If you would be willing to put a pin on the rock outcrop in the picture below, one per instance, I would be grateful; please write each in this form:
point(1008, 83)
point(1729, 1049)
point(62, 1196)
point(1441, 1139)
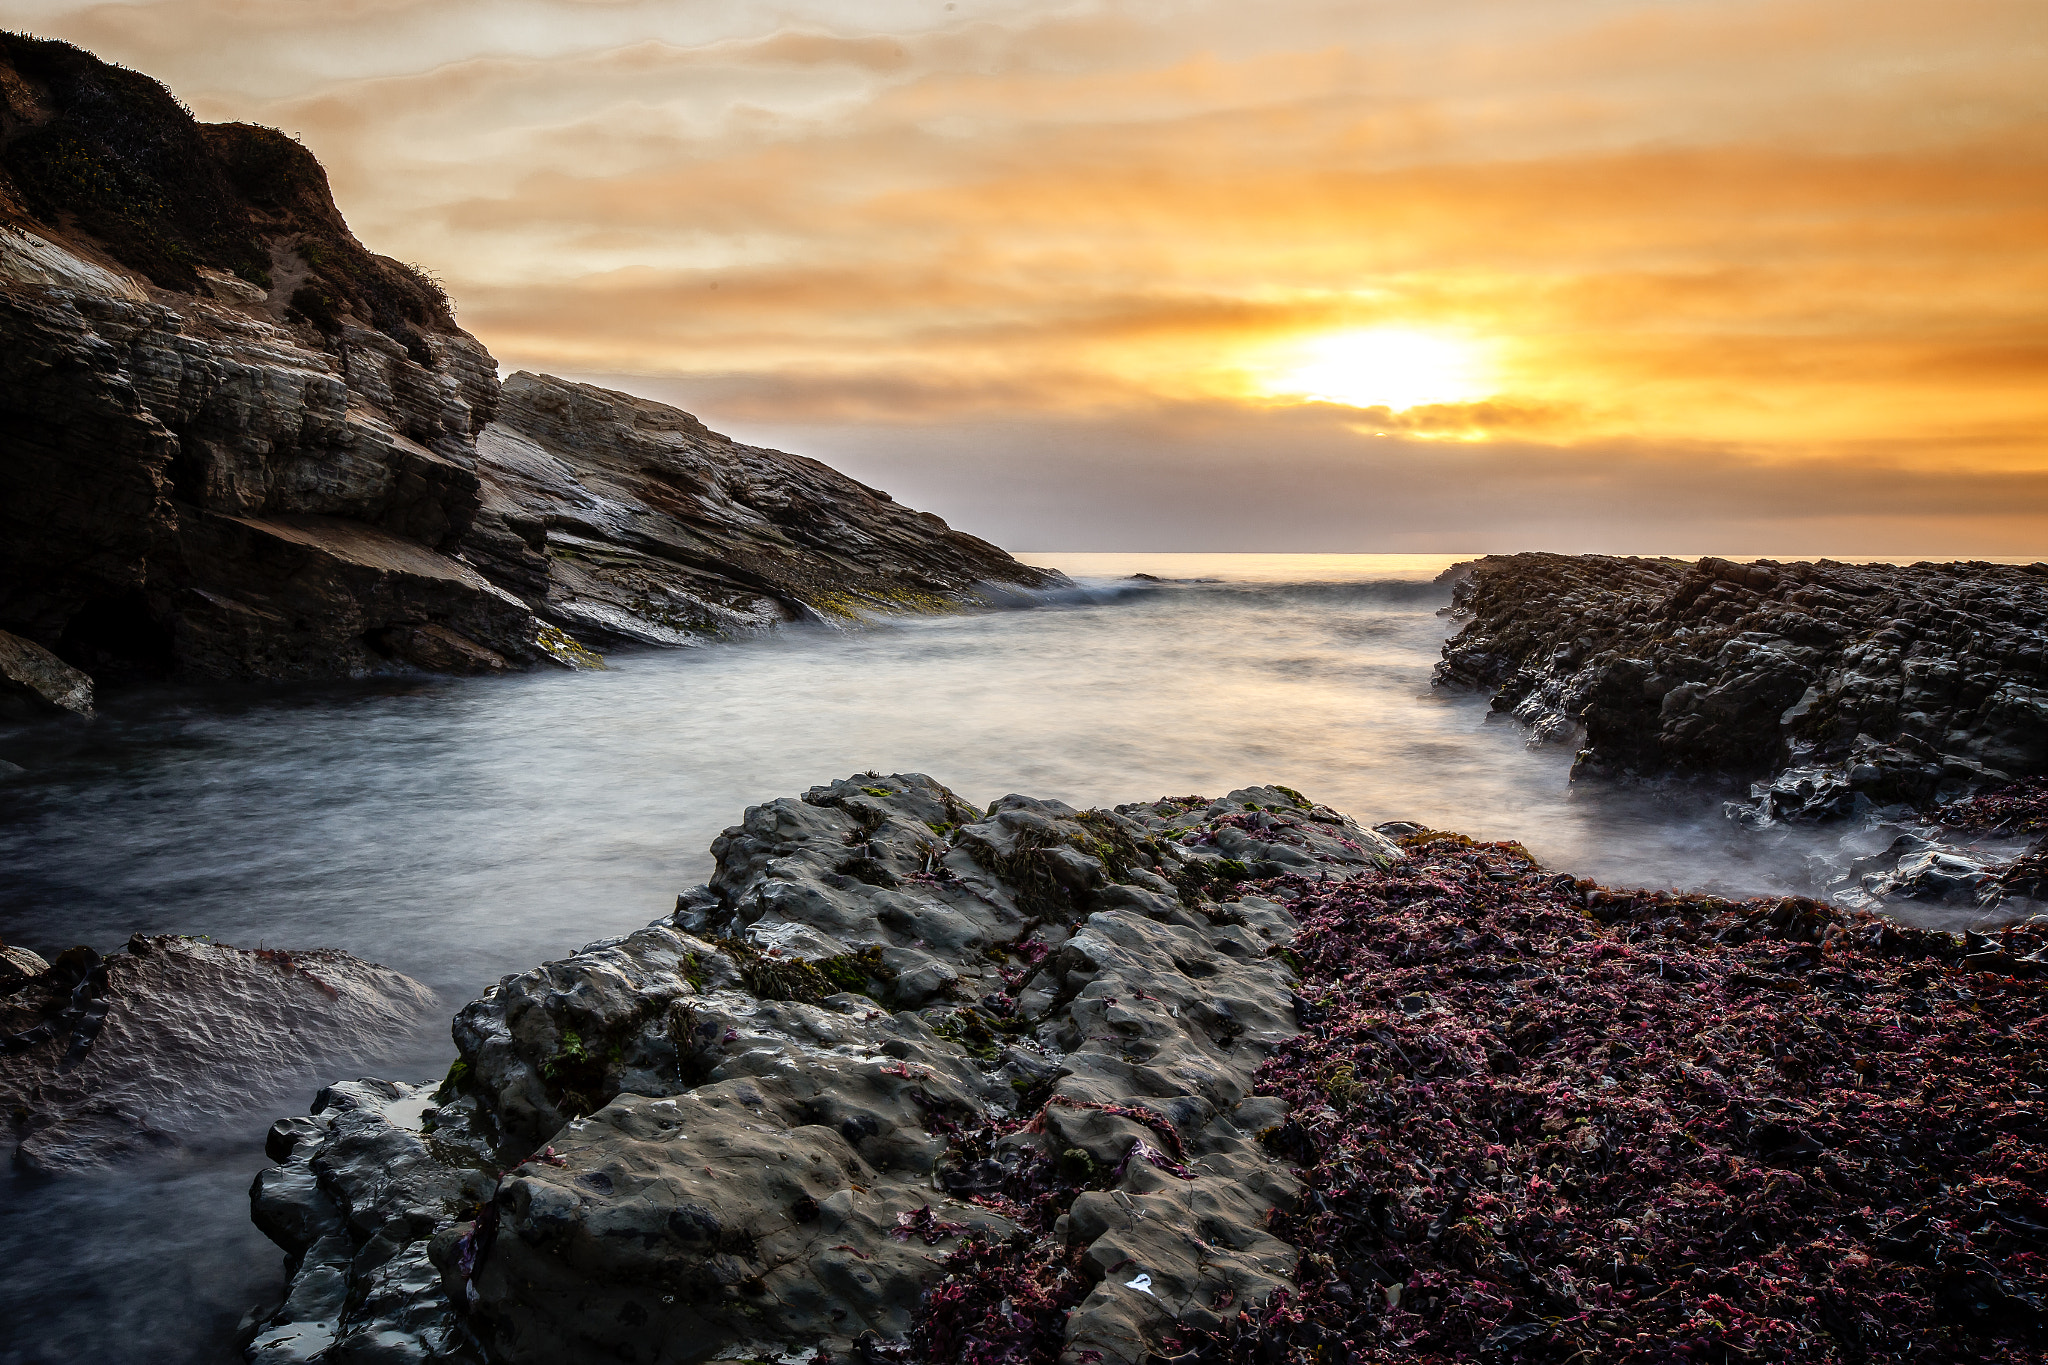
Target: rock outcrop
point(620, 519)
point(1865, 694)
point(35, 682)
point(1877, 683)
point(236, 444)
point(107, 1058)
point(895, 1037)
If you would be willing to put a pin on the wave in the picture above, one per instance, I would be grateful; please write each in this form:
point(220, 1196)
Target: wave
point(1105, 591)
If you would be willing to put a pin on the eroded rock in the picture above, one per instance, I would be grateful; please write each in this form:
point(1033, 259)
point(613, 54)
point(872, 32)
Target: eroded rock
point(1837, 687)
point(891, 1026)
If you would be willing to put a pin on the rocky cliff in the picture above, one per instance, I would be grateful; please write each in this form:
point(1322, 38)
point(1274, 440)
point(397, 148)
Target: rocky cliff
point(235, 443)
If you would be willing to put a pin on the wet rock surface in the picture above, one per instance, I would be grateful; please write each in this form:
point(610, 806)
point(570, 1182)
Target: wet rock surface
point(906, 1076)
point(1863, 695)
point(239, 445)
point(106, 1058)
point(1897, 678)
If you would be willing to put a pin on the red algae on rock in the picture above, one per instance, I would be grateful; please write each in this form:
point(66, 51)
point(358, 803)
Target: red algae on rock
point(2019, 808)
point(1538, 1120)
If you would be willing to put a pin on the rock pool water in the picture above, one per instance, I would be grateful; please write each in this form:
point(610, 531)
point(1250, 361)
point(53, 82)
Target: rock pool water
point(462, 829)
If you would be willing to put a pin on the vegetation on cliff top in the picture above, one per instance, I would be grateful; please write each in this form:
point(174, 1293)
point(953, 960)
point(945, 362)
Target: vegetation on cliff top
point(95, 151)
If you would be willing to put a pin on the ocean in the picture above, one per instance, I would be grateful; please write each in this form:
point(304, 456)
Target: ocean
point(461, 829)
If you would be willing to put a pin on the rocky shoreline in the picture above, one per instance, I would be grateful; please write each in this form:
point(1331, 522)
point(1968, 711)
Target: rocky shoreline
point(238, 445)
point(1900, 683)
point(1873, 695)
point(1191, 1080)
point(891, 1025)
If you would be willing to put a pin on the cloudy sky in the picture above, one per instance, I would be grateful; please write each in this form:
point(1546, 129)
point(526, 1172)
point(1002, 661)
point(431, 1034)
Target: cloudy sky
point(1756, 276)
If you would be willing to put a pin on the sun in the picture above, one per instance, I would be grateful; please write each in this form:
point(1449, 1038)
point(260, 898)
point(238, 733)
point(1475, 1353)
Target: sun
point(1379, 367)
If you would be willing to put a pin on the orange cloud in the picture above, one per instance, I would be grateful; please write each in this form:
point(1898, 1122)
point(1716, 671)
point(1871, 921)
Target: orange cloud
point(1809, 235)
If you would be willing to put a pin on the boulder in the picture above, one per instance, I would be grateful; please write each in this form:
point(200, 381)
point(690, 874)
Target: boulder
point(893, 1036)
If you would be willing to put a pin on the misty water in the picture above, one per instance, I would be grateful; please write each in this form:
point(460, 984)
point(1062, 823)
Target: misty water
point(460, 829)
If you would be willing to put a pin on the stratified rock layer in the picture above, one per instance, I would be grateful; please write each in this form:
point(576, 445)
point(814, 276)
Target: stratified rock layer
point(236, 444)
point(1882, 683)
point(892, 1026)
point(620, 519)
point(106, 1058)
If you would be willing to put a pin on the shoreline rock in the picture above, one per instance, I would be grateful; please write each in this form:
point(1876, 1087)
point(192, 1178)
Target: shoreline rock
point(624, 521)
point(1388, 1088)
point(107, 1058)
point(239, 445)
point(1837, 692)
point(891, 1027)
point(1911, 680)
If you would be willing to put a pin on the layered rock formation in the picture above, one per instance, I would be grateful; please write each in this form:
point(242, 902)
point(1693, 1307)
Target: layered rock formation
point(234, 443)
point(620, 519)
point(107, 1058)
point(892, 1031)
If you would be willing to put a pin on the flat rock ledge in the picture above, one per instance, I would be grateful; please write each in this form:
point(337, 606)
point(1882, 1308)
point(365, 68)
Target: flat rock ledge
point(898, 1051)
point(107, 1058)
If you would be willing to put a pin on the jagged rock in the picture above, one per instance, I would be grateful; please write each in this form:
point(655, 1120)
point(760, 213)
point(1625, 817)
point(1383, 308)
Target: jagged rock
point(622, 519)
point(359, 1185)
point(35, 682)
point(104, 1058)
point(209, 483)
point(235, 443)
point(890, 1023)
point(1842, 687)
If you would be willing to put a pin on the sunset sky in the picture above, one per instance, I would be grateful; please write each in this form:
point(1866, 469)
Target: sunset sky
point(1648, 275)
